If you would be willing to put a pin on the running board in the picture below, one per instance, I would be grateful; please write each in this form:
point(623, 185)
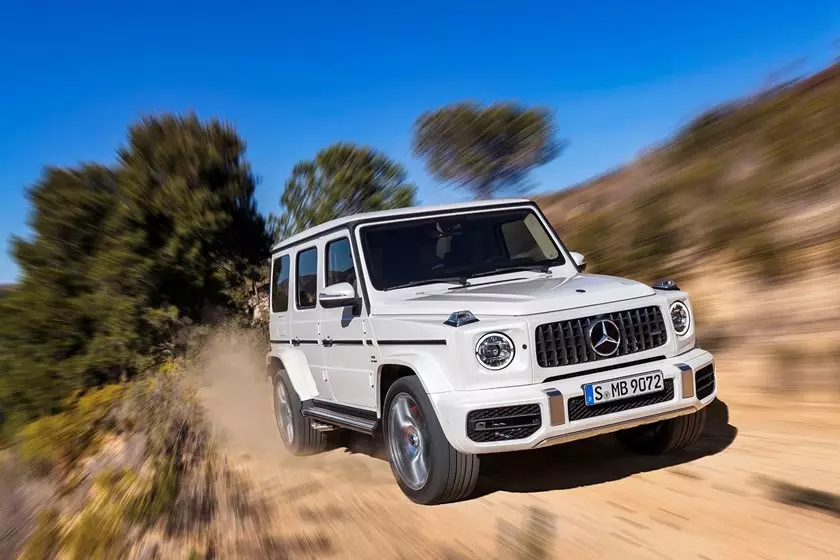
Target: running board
point(340, 419)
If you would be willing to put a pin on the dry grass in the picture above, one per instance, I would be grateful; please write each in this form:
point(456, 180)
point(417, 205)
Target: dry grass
point(139, 476)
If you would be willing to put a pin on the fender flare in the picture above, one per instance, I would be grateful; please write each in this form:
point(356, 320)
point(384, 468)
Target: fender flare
point(426, 368)
point(297, 368)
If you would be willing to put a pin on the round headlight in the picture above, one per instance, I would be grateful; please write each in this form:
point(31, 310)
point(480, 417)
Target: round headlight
point(495, 350)
point(680, 317)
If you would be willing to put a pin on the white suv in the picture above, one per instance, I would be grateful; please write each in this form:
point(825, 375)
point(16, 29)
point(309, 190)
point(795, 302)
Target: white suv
point(465, 329)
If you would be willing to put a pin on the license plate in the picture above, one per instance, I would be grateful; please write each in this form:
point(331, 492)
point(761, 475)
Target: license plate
point(624, 388)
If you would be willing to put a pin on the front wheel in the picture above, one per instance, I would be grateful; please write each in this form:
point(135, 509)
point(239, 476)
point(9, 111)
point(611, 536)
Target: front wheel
point(427, 468)
point(664, 436)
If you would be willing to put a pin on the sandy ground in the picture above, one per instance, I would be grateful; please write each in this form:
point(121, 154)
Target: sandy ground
point(716, 500)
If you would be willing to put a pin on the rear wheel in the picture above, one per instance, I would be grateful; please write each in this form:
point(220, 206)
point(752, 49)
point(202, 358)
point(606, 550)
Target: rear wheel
point(427, 468)
point(295, 430)
point(664, 436)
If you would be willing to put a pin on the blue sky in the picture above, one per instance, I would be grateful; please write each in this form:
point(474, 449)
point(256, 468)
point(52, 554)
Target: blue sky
point(296, 77)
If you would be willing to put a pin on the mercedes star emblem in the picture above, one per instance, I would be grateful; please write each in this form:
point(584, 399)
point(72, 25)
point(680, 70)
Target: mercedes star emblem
point(604, 337)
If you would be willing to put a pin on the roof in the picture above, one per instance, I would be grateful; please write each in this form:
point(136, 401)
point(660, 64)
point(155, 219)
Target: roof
point(396, 213)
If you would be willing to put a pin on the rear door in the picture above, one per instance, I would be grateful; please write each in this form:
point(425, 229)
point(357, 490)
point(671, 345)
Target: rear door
point(306, 327)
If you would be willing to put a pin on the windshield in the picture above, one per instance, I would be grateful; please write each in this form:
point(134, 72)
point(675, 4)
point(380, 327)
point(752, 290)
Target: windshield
point(456, 248)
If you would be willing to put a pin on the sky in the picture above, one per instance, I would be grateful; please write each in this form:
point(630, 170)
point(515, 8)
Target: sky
point(296, 77)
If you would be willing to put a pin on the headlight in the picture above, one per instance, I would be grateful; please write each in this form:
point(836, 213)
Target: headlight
point(495, 350)
point(680, 317)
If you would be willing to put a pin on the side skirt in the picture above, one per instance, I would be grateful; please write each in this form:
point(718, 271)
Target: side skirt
point(341, 416)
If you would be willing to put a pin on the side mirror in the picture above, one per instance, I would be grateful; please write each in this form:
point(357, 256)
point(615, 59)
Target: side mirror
point(580, 260)
point(338, 295)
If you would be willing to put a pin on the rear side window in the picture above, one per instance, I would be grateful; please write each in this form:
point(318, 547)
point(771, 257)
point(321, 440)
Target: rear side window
point(306, 281)
point(280, 285)
point(340, 262)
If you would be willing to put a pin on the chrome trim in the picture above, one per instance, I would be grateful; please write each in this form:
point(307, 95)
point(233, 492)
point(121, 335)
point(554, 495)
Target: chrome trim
point(687, 380)
point(599, 430)
point(556, 407)
point(606, 337)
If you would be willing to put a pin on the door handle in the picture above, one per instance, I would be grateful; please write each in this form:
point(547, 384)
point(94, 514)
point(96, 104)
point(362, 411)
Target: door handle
point(327, 342)
point(296, 341)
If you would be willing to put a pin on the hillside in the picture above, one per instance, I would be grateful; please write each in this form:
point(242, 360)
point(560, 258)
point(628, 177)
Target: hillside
point(756, 178)
point(5, 289)
point(742, 207)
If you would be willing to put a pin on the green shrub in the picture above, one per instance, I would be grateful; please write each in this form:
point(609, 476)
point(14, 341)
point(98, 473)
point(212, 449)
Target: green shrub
point(57, 441)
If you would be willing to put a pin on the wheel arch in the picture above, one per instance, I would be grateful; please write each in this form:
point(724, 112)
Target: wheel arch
point(425, 368)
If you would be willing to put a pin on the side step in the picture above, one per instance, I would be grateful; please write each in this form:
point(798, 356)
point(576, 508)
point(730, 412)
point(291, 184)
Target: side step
point(358, 420)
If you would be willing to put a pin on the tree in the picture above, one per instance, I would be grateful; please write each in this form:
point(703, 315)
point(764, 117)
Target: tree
point(342, 180)
point(184, 238)
point(47, 319)
point(121, 256)
point(485, 149)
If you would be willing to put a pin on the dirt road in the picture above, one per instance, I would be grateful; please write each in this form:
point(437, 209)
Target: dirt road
point(737, 494)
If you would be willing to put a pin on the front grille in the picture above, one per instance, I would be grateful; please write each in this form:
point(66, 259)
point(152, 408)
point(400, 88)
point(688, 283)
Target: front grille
point(704, 381)
point(579, 411)
point(503, 423)
point(566, 343)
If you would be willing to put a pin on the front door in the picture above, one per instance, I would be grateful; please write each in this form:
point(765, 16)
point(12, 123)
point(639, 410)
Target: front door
point(347, 351)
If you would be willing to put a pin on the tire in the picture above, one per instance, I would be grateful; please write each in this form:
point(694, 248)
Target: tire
point(450, 474)
point(664, 436)
point(295, 429)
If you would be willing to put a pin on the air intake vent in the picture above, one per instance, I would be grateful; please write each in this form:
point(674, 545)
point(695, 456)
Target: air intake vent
point(566, 343)
point(704, 381)
point(579, 411)
point(503, 423)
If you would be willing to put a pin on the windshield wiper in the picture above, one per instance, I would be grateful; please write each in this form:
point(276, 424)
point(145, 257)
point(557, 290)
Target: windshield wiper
point(543, 267)
point(462, 280)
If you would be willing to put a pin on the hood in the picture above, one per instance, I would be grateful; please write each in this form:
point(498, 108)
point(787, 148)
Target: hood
point(515, 294)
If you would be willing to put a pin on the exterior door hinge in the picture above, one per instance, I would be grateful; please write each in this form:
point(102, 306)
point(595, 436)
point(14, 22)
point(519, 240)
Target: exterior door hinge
point(324, 374)
point(370, 378)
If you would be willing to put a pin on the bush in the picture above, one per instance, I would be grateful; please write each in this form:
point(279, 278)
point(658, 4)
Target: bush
point(57, 442)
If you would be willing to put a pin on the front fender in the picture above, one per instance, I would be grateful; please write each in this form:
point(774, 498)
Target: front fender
point(297, 368)
point(426, 368)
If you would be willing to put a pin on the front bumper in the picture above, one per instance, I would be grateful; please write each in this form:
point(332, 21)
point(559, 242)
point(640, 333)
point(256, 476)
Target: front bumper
point(556, 425)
